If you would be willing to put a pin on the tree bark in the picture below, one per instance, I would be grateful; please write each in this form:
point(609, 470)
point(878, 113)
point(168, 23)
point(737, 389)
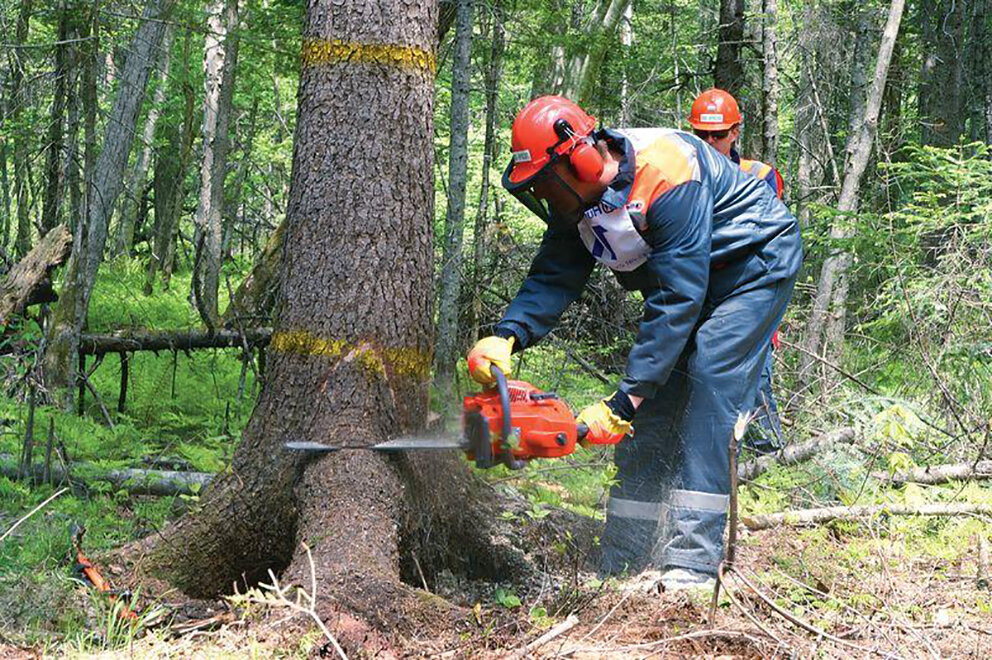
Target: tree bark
point(131, 207)
point(29, 280)
point(826, 514)
point(825, 329)
point(448, 345)
point(53, 166)
point(219, 65)
point(22, 243)
point(136, 481)
point(172, 341)
point(108, 174)
point(729, 73)
point(350, 357)
point(795, 454)
point(941, 77)
point(769, 88)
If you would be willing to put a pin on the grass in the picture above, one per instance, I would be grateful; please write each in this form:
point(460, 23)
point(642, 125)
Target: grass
point(187, 407)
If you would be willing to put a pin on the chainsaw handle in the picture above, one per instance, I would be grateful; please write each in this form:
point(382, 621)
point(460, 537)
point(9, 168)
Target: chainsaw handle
point(504, 402)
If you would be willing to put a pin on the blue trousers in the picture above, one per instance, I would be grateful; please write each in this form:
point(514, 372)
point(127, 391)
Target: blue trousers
point(668, 505)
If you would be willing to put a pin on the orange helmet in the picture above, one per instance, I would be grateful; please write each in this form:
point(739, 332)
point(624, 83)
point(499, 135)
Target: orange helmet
point(714, 110)
point(548, 126)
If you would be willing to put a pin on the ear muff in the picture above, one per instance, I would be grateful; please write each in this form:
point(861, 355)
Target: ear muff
point(584, 158)
point(587, 162)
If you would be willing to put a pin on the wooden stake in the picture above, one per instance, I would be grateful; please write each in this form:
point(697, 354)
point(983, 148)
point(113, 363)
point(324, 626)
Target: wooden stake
point(122, 398)
point(27, 452)
point(47, 474)
point(982, 576)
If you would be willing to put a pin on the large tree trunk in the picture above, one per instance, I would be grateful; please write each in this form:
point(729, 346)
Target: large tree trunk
point(729, 74)
point(131, 207)
point(53, 166)
point(448, 346)
point(941, 84)
point(350, 358)
point(22, 243)
point(825, 329)
point(108, 175)
point(219, 64)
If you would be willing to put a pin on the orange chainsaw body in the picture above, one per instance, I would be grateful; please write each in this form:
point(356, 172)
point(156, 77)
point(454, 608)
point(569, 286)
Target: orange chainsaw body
point(541, 424)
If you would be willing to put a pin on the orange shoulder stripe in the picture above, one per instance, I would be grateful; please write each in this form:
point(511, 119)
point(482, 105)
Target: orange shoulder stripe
point(662, 165)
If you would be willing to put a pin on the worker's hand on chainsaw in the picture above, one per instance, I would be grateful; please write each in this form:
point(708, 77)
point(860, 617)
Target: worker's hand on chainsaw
point(608, 421)
point(487, 352)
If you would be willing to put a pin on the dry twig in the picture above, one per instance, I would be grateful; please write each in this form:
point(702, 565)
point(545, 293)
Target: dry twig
point(304, 603)
point(31, 513)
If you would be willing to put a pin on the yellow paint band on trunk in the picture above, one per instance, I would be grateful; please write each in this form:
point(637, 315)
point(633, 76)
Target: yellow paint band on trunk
point(324, 51)
point(401, 361)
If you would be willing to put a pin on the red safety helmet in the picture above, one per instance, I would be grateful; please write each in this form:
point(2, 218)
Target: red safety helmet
point(547, 127)
point(714, 110)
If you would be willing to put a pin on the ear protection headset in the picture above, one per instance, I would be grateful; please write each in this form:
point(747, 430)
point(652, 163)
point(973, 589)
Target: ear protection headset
point(582, 155)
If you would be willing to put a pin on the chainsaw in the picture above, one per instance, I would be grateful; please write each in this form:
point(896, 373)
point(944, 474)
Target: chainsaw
point(506, 425)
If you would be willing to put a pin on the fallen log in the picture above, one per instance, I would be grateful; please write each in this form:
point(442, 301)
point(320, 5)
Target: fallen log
point(796, 453)
point(93, 344)
point(159, 483)
point(941, 474)
point(29, 281)
point(826, 514)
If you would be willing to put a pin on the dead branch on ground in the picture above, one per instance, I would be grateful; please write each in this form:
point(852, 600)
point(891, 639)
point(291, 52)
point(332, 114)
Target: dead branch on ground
point(826, 514)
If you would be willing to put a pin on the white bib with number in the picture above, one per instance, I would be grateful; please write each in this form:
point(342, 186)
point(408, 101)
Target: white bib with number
point(612, 238)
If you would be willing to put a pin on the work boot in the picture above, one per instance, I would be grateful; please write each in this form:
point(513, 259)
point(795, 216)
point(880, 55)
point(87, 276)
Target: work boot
point(684, 579)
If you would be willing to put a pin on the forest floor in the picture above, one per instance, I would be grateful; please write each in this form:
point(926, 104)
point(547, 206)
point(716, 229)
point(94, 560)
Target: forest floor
point(889, 586)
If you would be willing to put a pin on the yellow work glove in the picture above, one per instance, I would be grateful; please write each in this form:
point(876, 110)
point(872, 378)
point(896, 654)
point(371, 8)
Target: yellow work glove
point(487, 352)
point(605, 426)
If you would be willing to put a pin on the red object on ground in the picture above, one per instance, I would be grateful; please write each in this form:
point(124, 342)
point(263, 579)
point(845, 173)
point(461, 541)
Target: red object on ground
point(543, 424)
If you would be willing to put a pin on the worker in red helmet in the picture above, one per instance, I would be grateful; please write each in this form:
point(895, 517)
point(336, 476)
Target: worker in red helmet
point(716, 118)
point(659, 208)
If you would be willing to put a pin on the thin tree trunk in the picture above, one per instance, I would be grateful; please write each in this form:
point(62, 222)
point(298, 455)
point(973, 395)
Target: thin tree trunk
point(72, 170)
point(108, 174)
point(769, 91)
point(22, 244)
point(494, 73)
point(729, 73)
point(131, 207)
point(4, 187)
point(582, 68)
point(859, 70)
point(169, 176)
point(90, 98)
point(53, 168)
point(219, 64)
point(233, 207)
point(825, 330)
point(448, 347)
point(626, 40)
